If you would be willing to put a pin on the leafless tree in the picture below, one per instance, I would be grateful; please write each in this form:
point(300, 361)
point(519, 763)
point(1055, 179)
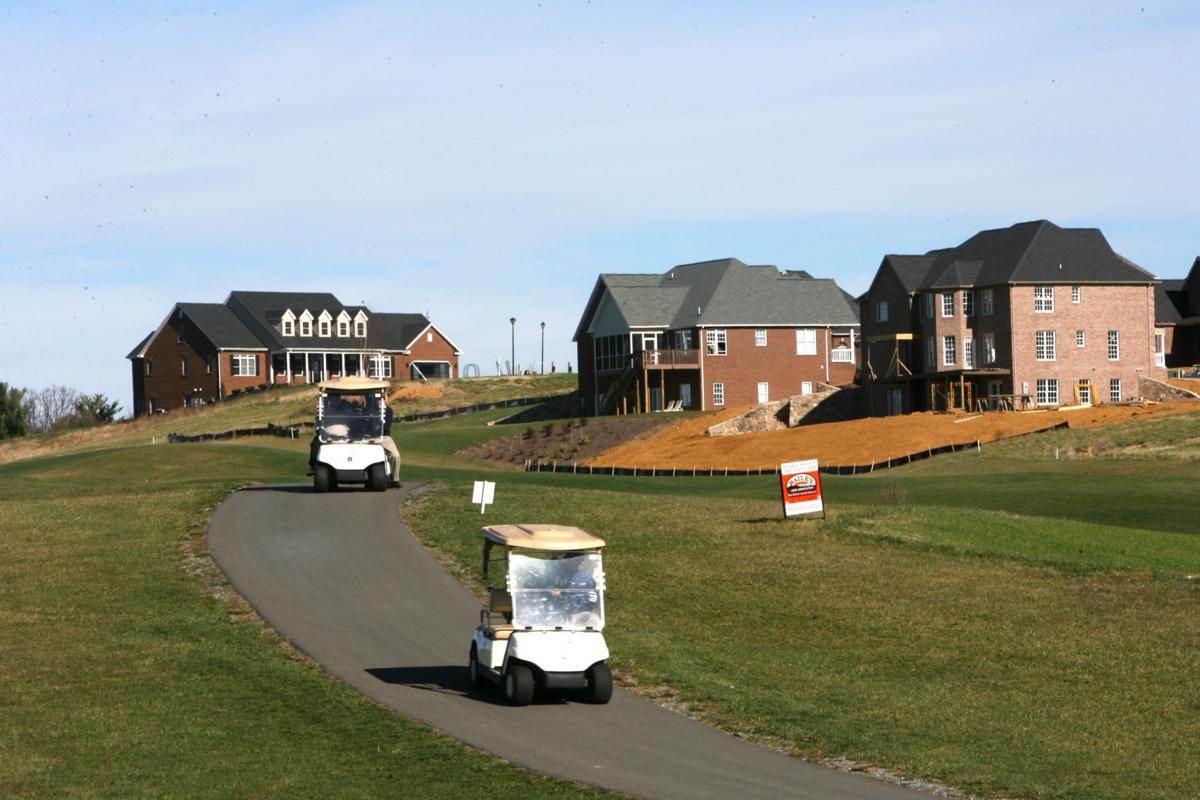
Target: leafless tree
point(51, 406)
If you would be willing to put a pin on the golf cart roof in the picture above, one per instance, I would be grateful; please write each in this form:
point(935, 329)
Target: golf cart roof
point(542, 537)
point(352, 384)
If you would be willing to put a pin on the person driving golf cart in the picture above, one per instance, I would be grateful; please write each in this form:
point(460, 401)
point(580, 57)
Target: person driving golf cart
point(352, 436)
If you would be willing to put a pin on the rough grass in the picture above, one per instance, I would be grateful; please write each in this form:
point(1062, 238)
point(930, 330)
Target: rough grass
point(282, 407)
point(121, 675)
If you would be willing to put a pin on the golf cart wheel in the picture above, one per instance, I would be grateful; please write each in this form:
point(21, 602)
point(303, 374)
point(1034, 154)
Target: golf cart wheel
point(473, 669)
point(599, 683)
point(322, 479)
point(518, 685)
point(377, 477)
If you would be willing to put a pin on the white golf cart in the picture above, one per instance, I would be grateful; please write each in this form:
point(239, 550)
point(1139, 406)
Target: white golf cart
point(544, 628)
point(350, 420)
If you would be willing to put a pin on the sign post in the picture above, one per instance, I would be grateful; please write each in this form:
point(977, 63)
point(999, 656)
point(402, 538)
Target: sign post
point(484, 493)
point(800, 485)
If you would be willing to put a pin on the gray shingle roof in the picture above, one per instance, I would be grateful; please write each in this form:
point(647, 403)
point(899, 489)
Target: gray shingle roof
point(1170, 302)
point(1028, 252)
point(394, 331)
point(220, 325)
point(726, 292)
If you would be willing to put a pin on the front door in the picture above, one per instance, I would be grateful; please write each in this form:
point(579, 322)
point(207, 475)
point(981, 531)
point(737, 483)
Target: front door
point(656, 399)
point(1085, 392)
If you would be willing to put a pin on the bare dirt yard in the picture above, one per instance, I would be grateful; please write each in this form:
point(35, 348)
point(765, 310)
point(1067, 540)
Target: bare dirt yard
point(562, 441)
point(859, 441)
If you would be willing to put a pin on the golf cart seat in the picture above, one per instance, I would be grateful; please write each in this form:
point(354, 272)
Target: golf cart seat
point(497, 621)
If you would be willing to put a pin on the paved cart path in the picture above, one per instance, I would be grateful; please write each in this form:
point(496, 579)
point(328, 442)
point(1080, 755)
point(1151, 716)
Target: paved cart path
point(341, 577)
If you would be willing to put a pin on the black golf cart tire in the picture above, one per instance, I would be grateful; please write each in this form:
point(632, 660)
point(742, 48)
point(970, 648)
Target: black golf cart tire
point(477, 679)
point(322, 479)
point(377, 477)
point(518, 685)
point(599, 683)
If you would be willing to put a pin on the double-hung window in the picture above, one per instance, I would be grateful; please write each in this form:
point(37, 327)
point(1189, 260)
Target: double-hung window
point(931, 353)
point(324, 327)
point(289, 327)
point(989, 348)
point(379, 367)
point(985, 301)
point(947, 304)
point(343, 328)
point(949, 348)
point(717, 343)
point(1047, 391)
point(718, 394)
point(1080, 338)
point(305, 327)
point(806, 341)
point(1114, 390)
point(968, 303)
point(760, 337)
point(244, 366)
point(1074, 294)
point(1044, 345)
point(1114, 345)
point(881, 311)
point(1043, 299)
point(969, 353)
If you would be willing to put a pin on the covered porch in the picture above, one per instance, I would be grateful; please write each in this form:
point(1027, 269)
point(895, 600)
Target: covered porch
point(314, 366)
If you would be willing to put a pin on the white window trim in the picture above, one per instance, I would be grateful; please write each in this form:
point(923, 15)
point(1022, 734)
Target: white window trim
point(968, 303)
point(243, 366)
point(760, 337)
point(1114, 390)
point(1114, 345)
point(806, 341)
point(718, 393)
point(1043, 296)
point(380, 367)
point(716, 341)
point(1050, 383)
point(947, 298)
point(949, 351)
point(1080, 338)
point(968, 354)
point(1047, 342)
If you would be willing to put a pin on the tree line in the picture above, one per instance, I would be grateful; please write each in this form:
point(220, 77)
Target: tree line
point(55, 408)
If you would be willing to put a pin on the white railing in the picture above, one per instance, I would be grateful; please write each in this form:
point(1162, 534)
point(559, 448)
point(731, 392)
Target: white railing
point(843, 355)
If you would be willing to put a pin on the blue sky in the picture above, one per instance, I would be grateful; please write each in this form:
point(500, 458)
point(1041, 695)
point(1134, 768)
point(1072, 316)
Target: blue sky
point(481, 161)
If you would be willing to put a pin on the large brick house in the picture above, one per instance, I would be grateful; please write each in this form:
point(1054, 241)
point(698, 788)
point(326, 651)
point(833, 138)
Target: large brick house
point(1030, 315)
point(1177, 307)
point(710, 335)
point(203, 351)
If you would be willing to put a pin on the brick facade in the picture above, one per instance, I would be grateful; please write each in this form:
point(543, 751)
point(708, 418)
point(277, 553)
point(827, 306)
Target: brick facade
point(777, 364)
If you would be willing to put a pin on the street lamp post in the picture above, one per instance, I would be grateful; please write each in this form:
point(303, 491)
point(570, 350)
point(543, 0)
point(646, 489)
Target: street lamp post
point(512, 364)
point(543, 348)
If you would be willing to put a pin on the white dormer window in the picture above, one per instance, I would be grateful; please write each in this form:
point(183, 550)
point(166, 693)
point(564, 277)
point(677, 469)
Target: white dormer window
point(324, 327)
point(306, 326)
point(360, 325)
point(343, 324)
point(287, 324)
point(323, 323)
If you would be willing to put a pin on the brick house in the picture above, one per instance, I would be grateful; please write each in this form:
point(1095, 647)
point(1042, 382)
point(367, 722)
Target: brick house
point(204, 351)
point(1177, 309)
point(712, 334)
point(1030, 315)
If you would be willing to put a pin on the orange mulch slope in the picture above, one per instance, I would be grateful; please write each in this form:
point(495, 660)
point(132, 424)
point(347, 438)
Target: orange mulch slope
point(859, 441)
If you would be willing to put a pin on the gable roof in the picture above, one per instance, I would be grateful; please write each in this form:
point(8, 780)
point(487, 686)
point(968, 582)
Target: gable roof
point(1025, 253)
point(140, 350)
point(1170, 302)
point(394, 331)
point(220, 326)
point(722, 292)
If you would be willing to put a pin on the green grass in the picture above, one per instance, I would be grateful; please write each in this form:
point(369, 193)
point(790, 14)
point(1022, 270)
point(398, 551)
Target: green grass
point(1001, 621)
point(1001, 677)
point(122, 676)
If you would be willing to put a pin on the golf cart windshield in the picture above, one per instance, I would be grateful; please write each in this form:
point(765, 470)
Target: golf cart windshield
point(350, 417)
point(557, 592)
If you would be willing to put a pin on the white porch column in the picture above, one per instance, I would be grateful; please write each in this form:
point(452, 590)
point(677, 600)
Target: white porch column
point(307, 371)
point(324, 366)
point(287, 356)
point(343, 365)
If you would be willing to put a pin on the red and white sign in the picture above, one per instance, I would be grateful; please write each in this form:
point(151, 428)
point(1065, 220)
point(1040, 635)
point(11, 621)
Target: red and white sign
point(800, 483)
